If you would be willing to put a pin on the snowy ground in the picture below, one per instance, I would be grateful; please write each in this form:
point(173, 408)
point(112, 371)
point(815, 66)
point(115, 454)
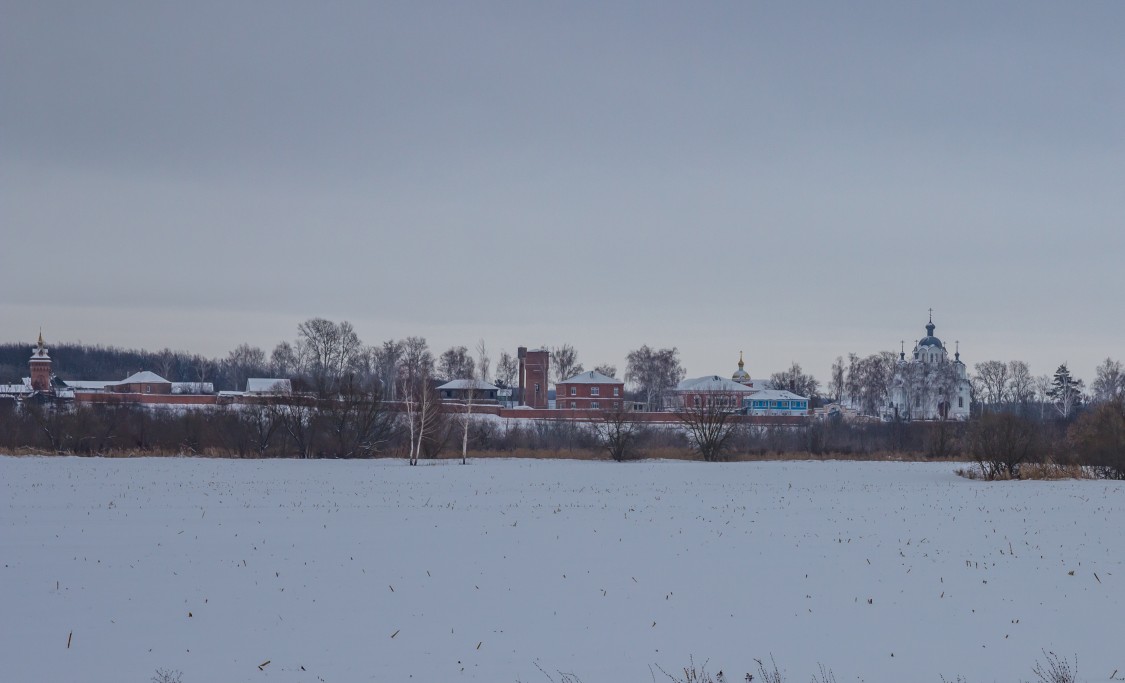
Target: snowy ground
point(375, 571)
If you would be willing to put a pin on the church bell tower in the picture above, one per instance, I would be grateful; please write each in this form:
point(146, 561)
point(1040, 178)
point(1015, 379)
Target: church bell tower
point(40, 366)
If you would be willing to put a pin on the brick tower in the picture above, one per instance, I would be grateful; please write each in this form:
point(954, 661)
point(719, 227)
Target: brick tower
point(533, 376)
point(40, 366)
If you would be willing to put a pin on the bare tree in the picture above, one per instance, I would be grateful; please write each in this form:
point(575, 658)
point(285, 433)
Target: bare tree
point(166, 361)
point(284, 361)
point(48, 417)
point(331, 349)
point(243, 362)
point(836, 385)
point(1109, 381)
point(435, 429)
point(318, 337)
point(300, 421)
point(423, 416)
point(416, 359)
point(912, 382)
point(1021, 384)
point(710, 425)
point(467, 416)
point(262, 419)
point(167, 676)
point(484, 362)
point(204, 368)
point(386, 359)
point(456, 363)
point(1042, 393)
point(564, 361)
point(1098, 438)
point(363, 368)
point(940, 439)
point(475, 387)
point(869, 381)
point(653, 371)
point(356, 420)
point(1001, 442)
point(795, 380)
point(617, 433)
point(607, 370)
point(408, 393)
point(993, 378)
point(507, 367)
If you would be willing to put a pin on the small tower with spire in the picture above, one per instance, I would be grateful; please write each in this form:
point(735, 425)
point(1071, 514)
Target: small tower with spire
point(740, 375)
point(40, 366)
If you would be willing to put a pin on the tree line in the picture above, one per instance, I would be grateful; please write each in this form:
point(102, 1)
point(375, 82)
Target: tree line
point(360, 400)
point(325, 353)
point(361, 425)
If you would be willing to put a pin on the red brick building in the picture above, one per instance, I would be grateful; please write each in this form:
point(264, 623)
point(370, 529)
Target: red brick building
point(710, 391)
point(141, 387)
point(590, 391)
point(533, 374)
point(40, 367)
point(141, 383)
point(468, 389)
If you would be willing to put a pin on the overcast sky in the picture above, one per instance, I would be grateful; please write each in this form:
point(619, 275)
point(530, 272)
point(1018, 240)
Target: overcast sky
point(795, 180)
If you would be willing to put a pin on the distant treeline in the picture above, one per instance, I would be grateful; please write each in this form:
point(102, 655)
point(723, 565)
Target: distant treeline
point(95, 362)
point(352, 397)
point(362, 426)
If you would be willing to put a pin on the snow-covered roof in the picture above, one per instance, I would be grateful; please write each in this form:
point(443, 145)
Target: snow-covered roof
point(143, 377)
point(591, 377)
point(777, 395)
point(14, 389)
point(465, 384)
point(266, 385)
point(712, 383)
point(86, 385)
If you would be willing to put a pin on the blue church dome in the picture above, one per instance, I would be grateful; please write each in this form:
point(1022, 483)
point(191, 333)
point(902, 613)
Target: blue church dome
point(930, 339)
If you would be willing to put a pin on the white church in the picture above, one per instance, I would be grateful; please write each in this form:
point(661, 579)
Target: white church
point(928, 386)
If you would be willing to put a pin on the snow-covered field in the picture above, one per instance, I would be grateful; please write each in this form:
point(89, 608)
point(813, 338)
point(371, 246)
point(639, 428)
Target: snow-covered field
point(375, 571)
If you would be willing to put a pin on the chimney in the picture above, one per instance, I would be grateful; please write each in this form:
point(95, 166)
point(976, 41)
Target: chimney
point(521, 353)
